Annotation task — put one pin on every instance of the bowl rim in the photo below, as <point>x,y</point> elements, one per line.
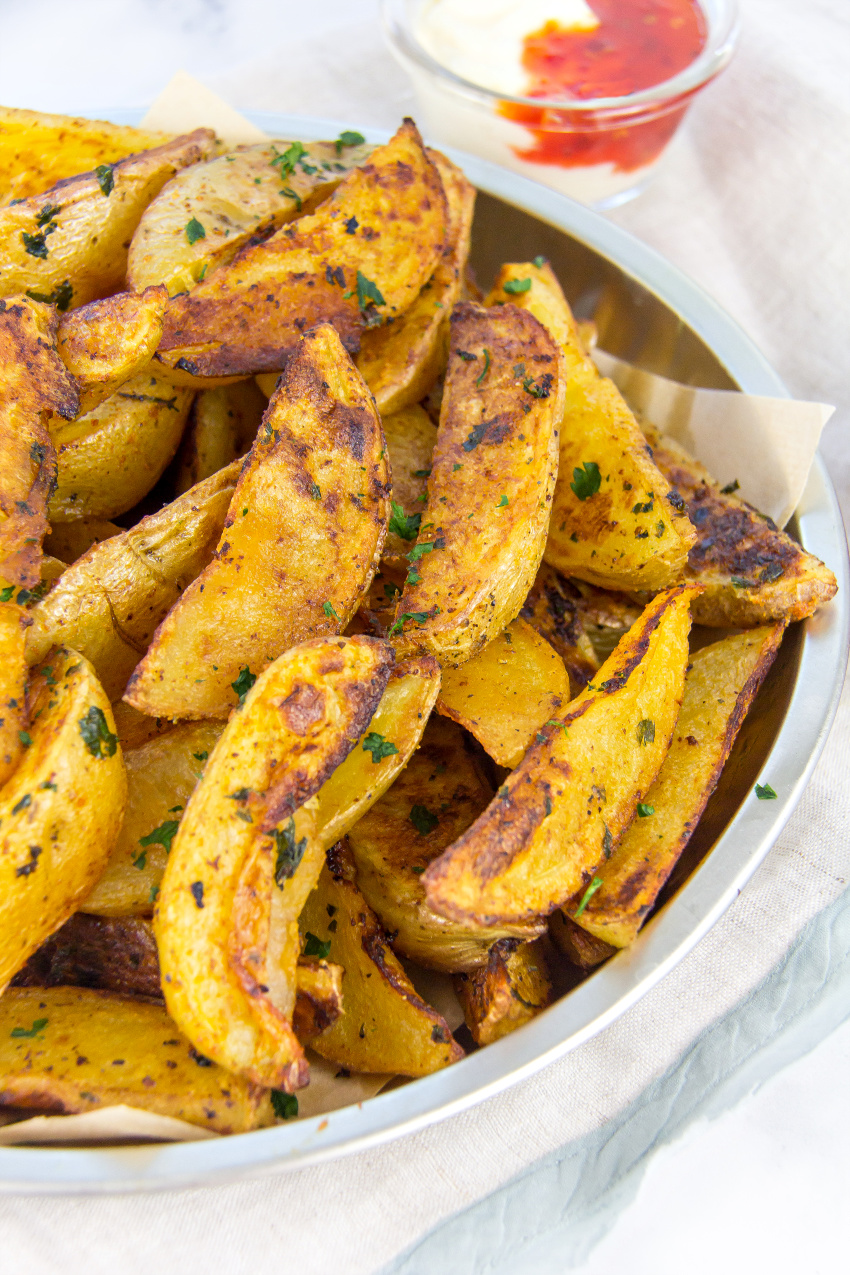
<point>723,23</point>
<point>665,941</point>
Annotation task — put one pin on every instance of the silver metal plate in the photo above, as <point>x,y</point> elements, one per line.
<point>652,315</point>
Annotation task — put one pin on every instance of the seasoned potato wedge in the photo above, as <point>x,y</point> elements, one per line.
<point>223,424</point>
<point>385,1026</point>
<point>245,856</point>
<point>360,259</point>
<point>508,991</point>
<point>301,541</point>
<point>134,729</point>
<point>401,360</point>
<point>13,686</point>
<point>751,571</point>
<point>434,800</point>
<point>161,777</point>
<point>410,436</point>
<point>108,604</point>
<point>612,522</point>
<point>69,245</point>
<point>248,192</point>
<point>507,692</point>
<point>318,997</point>
<point>33,383</point>
<point>552,608</point>
<point>562,811</point>
<point>111,457</point>
<point>61,809</point>
<point>115,954</point>
<point>105,343</point>
<point>71,1049</point>
<point>605,615</point>
<point>68,541</point>
<point>38,150</point>
<point>719,687</point>
<point>579,946</point>
<point>490,489</point>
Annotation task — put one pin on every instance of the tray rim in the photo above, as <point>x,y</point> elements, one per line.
<point>696,907</point>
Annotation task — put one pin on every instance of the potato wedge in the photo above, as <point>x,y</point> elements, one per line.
<point>61,809</point>
<point>222,426</point>
<point>115,954</point>
<point>134,729</point>
<point>245,856</point>
<point>301,541</point>
<point>612,521</point>
<point>111,457</point>
<point>508,991</point>
<point>108,604</point>
<point>105,343</point>
<point>606,615</point>
<point>410,435</point>
<point>248,192</point>
<point>489,493</point>
<point>71,1049</point>
<point>580,947</point>
<point>318,997</point>
<point>507,692</point>
<point>434,800</point>
<point>33,383</point>
<point>552,608</point>
<point>720,685</point>
<point>359,260</point>
<point>562,811</point>
<point>401,360</point>
<point>38,150</point>
<point>68,541</point>
<point>752,572</point>
<point>161,777</point>
<point>69,245</point>
<point>13,686</point>
<point>385,1026</point>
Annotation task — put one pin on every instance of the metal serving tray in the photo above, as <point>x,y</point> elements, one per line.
<point>652,315</point>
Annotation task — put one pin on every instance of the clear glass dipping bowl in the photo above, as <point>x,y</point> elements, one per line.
<point>455,112</point>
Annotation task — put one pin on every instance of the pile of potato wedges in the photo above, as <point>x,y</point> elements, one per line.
<point>346,618</point>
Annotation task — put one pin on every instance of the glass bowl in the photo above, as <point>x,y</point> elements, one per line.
<point>561,143</point>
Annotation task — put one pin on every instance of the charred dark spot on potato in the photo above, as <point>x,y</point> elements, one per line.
<point>303,709</point>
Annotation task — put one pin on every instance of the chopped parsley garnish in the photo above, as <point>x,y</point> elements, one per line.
<point>644,810</point>
<point>417,871</point>
<point>421,473</point>
<point>517,285</point>
<point>586,480</point>
<point>466,356</point>
<point>538,389</point>
<point>27,1033</point>
<point>413,576</point>
<point>378,746</point>
<point>391,591</point>
<point>730,488</point>
<point>739,583</point>
<point>419,616</point>
<point>161,836</point>
<point>645,731</point>
<point>426,546</point>
<point>289,852</point>
<point>553,721</point>
<point>503,502</point>
<point>60,296</point>
<point>105,178</point>
<point>284,1105</point>
<point>202,756</point>
<point>287,159</point>
<point>349,138</point>
<point>140,861</point>
<point>97,736</point>
<point>291,194</point>
<point>25,738</point>
<point>587,896</point>
<point>36,245</point>
<point>644,507</point>
<point>368,293</point>
<point>194,230</point>
<point>764,792</point>
<point>485,369</point>
<point>327,607</point>
<point>404,525</point>
<point>25,801</point>
<point>6,594</point>
<point>197,890</point>
<point>314,946</point>
<point>539,262</point>
<point>423,820</point>
<point>47,214</point>
<point>243,683</point>
<point>315,491</point>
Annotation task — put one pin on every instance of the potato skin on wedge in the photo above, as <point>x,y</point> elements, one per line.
<point>13,686</point>
<point>61,809</point>
<point>246,856</point>
<point>301,541</point>
<point>114,954</point>
<point>489,492</point>
<point>360,259</point>
<point>105,343</point>
<point>222,426</point>
<point>72,1049</point>
<point>385,1025</point>
<point>562,810</point>
<point>508,991</point>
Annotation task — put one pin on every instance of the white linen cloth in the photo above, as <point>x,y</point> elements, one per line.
<point>753,205</point>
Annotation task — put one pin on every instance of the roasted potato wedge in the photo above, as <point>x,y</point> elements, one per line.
<point>613,523</point>
<point>71,1049</point>
<point>134,728</point>
<point>108,604</point>
<point>385,1026</point>
<point>720,685</point>
<point>105,343</point>
<point>489,493</point>
<point>410,435</point>
<point>248,192</point>
<point>605,615</point>
<point>68,541</point>
<point>38,150</point>
<point>161,777</point>
<point>69,245</point>
<point>359,260</point>
<point>300,544</point>
<point>114,954</point>
<point>552,608</point>
<point>560,813</point>
<point>434,800</point>
<point>33,384</point>
<point>752,572</point>
<point>60,810</point>
<point>507,692</point>
<point>13,686</point>
<point>223,424</point>
<point>401,360</point>
<point>318,997</point>
<point>111,457</point>
<point>579,946</point>
<point>245,856</point>
<point>508,991</point>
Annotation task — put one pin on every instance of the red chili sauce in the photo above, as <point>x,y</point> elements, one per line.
<point>638,44</point>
